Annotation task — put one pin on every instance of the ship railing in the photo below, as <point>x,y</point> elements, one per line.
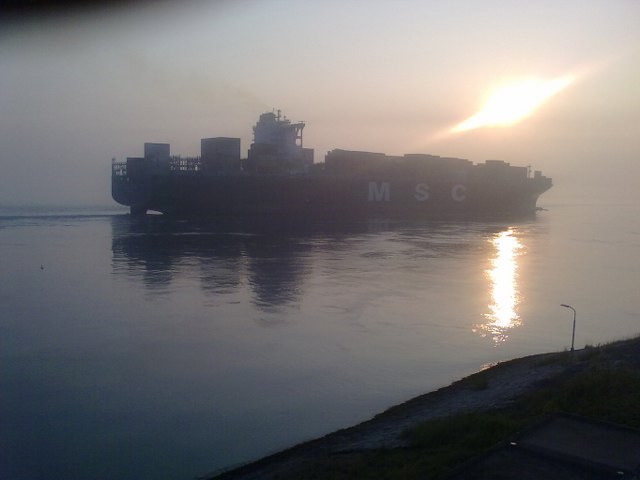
<point>118,169</point>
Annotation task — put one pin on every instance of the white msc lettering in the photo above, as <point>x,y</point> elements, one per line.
<point>458,193</point>
<point>422,192</point>
<point>380,192</point>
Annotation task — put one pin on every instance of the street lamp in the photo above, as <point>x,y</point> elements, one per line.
<point>573,334</point>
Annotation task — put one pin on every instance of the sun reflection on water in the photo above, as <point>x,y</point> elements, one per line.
<point>503,275</point>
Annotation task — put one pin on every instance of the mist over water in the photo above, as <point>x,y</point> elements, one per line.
<point>168,349</point>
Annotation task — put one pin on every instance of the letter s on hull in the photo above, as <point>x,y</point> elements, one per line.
<point>458,193</point>
<point>380,192</point>
<point>422,192</point>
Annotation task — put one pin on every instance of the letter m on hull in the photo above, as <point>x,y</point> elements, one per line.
<point>379,192</point>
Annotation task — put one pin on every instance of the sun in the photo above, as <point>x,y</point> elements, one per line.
<point>514,102</point>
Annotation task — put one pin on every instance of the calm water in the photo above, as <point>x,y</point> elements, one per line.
<point>157,349</point>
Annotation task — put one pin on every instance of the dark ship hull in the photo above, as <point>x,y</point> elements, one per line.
<point>280,179</point>
<point>321,195</point>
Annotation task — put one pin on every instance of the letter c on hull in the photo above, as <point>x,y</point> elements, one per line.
<point>458,193</point>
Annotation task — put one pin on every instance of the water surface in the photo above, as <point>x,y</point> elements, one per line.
<point>157,348</point>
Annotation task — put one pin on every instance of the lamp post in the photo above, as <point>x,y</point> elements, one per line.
<point>573,333</point>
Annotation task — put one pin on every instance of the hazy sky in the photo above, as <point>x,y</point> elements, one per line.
<point>389,76</point>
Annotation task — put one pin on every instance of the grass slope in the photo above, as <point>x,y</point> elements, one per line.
<point>599,382</point>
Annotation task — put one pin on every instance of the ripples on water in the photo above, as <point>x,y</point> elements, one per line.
<point>167,349</point>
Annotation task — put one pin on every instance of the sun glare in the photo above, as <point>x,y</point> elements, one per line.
<point>514,102</point>
<point>503,278</point>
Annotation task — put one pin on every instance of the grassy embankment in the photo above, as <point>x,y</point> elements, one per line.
<point>599,382</point>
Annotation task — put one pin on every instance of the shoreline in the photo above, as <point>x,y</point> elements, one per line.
<point>495,387</point>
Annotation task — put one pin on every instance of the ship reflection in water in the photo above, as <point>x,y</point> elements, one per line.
<point>503,275</point>
<point>272,265</point>
<point>166,252</point>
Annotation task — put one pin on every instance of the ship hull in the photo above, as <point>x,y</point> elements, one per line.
<point>323,196</point>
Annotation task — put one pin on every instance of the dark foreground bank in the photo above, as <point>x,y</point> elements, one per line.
<point>433,435</point>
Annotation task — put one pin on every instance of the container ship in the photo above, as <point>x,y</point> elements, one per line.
<point>279,178</point>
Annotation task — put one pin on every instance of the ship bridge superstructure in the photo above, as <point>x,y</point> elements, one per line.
<point>278,146</point>
<point>274,129</point>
